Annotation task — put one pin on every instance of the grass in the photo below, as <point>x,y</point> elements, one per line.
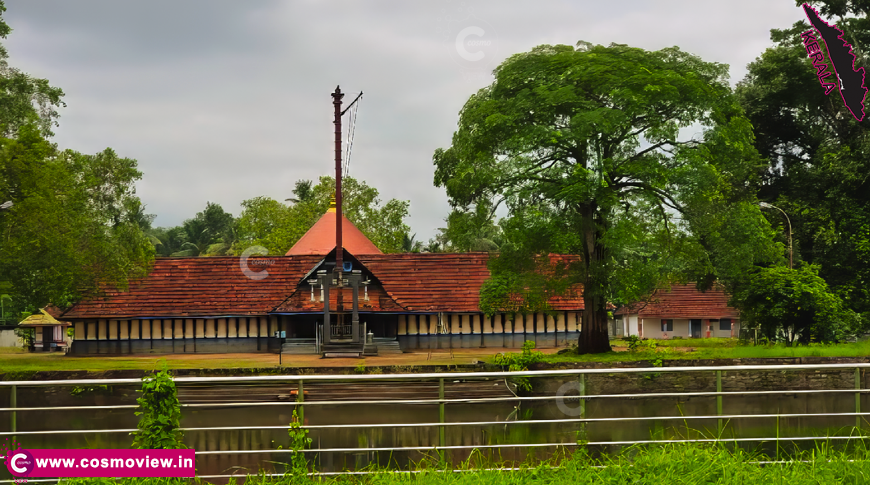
<point>689,349</point>
<point>56,361</point>
<point>661,464</point>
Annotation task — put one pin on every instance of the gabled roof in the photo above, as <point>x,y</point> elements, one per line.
<point>41,319</point>
<point>683,301</point>
<point>202,286</point>
<point>320,239</point>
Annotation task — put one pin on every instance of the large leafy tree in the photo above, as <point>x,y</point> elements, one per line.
<point>818,154</point>
<point>583,146</point>
<point>23,96</point>
<point>277,226</point>
<point>75,223</point>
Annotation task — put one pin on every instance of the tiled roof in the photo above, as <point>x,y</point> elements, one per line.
<point>206,286</point>
<point>212,286</point>
<point>320,239</point>
<point>684,301</point>
<point>447,282</point>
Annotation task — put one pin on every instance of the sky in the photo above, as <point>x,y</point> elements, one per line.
<point>223,101</point>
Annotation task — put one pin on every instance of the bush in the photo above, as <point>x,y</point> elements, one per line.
<point>160,415</point>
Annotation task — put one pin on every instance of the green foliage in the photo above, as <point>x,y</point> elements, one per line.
<point>559,139</point>
<point>276,226</point>
<point>817,154</point>
<point>795,305</point>
<point>667,463</point>
<point>472,229</point>
<point>78,391</point>
<point>27,335</point>
<point>360,368</point>
<point>633,342</point>
<point>160,415</point>
<point>208,229</point>
<point>299,441</point>
<point>520,362</point>
<point>24,99</point>
<point>72,229</point>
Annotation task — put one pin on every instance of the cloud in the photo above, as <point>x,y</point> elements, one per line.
<point>223,101</point>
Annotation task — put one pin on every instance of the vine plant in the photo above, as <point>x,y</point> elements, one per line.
<point>160,413</point>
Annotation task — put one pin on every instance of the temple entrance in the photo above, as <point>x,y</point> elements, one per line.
<point>341,327</point>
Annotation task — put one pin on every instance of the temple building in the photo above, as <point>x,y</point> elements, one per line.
<point>266,304</point>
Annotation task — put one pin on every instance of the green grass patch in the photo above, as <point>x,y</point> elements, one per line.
<point>660,464</point>
<point>714,349</point>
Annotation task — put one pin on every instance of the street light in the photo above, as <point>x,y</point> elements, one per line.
<point>765,205</point>
<point>2,309</point>
<point>6,205</point>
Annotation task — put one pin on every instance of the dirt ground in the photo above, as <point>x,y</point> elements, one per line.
<point>31,361</point>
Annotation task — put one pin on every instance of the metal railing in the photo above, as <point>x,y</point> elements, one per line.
<point>578,384</point>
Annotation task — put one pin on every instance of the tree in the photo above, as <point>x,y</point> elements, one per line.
<point>210,232</point>
<point>410,244</point>
<point>276,226</point>
<point>473,229</point>
<point>795,305</point>
<point>582,145</point>
<point>24,98</point>
<point>73,228</point>
<point>818,155</point>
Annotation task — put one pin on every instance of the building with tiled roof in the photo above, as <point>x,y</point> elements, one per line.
<point>258,304</point>
<point>680,311</point>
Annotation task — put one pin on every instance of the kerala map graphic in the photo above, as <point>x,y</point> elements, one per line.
<point>849,79</point>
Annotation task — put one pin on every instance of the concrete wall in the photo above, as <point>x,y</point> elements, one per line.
<point>8,338</point>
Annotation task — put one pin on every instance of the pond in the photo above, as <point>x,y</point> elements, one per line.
<point>278,413</point>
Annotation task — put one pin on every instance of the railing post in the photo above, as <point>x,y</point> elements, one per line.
<point>581,388</point>
<point>719,402</point>
<point>858,397</point>
<point>300,397</point>
<point>441,439</point>
<point>13,403</point>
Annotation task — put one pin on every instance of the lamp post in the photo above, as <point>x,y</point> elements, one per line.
<point>2,308</point>
<point>765,205</point>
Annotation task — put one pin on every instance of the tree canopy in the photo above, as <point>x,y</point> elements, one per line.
<point>583,146</point>
<point>277,226</point>
<point>73,225</point>
<point>817,155</point>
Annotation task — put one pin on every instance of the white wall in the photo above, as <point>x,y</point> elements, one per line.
<point>8,338</point>
<point>652,328</point>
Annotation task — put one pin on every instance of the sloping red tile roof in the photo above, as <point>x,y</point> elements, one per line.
<point>684,301</point>
<point>214,286</point>
<point>446,282</point>
<point>320,239</point>
<point>206,286</point>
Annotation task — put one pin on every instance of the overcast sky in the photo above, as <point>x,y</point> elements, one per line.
<point>223,101</point>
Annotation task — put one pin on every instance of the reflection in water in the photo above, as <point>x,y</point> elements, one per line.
<point>477,435</point>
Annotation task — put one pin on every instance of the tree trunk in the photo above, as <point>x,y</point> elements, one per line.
<point>593,337</point>
<point>593,334</point>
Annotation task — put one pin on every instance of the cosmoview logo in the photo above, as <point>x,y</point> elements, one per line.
<point>244,261</point>
<point>473,45</point>
<point>21,463</point>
